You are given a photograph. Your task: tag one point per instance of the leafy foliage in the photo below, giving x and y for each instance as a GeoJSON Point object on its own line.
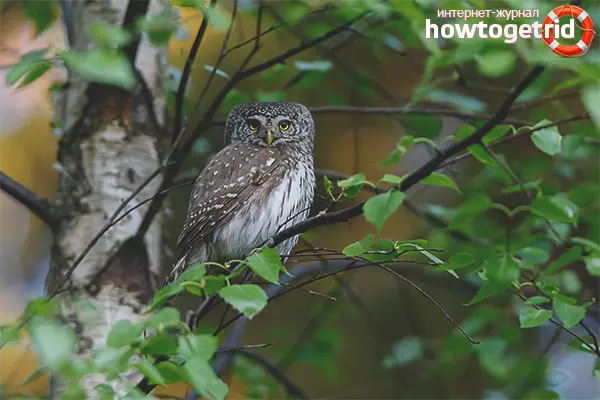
{"type": "Point", "coordinates": [523, 234]}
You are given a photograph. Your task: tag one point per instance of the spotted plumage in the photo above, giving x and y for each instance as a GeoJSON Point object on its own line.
{"type": "Point", "coordinates": [260, 183]}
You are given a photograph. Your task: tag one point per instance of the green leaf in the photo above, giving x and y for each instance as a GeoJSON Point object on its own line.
{"type": "Point", "coordinates": [109, 36]}
{"type": "Point", "coordinates": [212, 284]}
{"type": "Point", "coordinates": [190, 346]}
{"type": "Point", "coordinates": [266, 263]}
{"type": "Point", "coordinates": [34, 376]}
{"type": "Point", "coordinates": [403, 145]}
{"type": "Point", "coordinates": [42, 13]}
{"type": "Point", "coordinates": [169, 371]}
{"type": "Point", "coordinates": [486, 290]}
{"type": "Point", "coordinates": [547, 207]}
{"type": "Point", "coordinates": [168, 316]}
{"type": "Point", "coordinates": [164, 294]}
{"type": "Point", "coordinates": [537, 300]}
{"type": "Point", "coordinates": [497, 133]}
{"type": "Point", "coordinates": [203, 379]}
{"type": "Point", "coordinates": [357, 248]}
{"type": "Point", "coordinates": [354, 180]}
{"type": "Point", "coordinates": [461, 260]}
{"type": "Point", "coordinates": [101, 66]}
{"type": "Point", "coordinates": [592, 264]}
{"type": "Point", "coordinates": [193, 274]}
{"type": "Point", "coordinates": [473, 206]}
{"type": "Point", "coordinates": [496, 63]}
{"type": "Point", "coordinates": [428, 126]}
{"type": "Point", "coordinates": [247, 299]}
{"type": "Point", "coordinates": [31, 65]}
{"type": "Point", "coordinates": [112, 359]}
{"type": "Point", "coordinates": [394, 43]}
{"type": "Point", "coordinates": [352, 185]}
{"type": "Point", "coordinates": [105, 391]}
{"type": "Point", "coordinates": [566, 258]}
{"type": "Point", "coordinates": [54, 343]}
{"type": "Point", "coordinates": [153, 374]}
{"type": "Point", "coordinates": [569, 314]}
{"type": "Point", "coordinates": [8, 334]}
{"type": "Point", "coordinates": [378, 209]}
{"type": "Point", "coordinates": [42, 307]}
{"type": "Point", "coordinates": [587, 243]}
{"type": "Point", "coordinates": [547, 139]}
{"type": "Point", "coordinates": [317, 65]}
{"type": "Point", "coordinates": [531, 317]}
{"type": "Point", "coordinates": [123, 333]}
{"type": "Point", "coordinates": [160, 344]}
{"type": "Point", "coordinates": [591, 100]}
{"type": "Point", "coordinates": [460, 101]}
{"type": "Point", "coordinates": [534, 255]}
{"type": "Point", "coordinates": [390, 178]}
{"type": "Point", "coordinates": [159, 27]}
{"type": "Point", "coordinates": [437, 179]}
{"type": "Point", "coordinates": [502, 270]}
{"type": "Point", "coordinates": [403, 352]}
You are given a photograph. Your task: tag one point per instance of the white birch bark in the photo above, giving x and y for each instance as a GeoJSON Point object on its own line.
{"type": "Point", "coordinates": [109, 158]}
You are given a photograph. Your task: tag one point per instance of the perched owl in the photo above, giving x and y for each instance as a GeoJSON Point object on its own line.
{"type": "Point", "coordinates": [260, 183]}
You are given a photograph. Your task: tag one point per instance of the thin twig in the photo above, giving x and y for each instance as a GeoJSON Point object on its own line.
{"type": "Point", "coordinates": [432, 300]}
{"type": "Point", "coordinates": [559, 324]}
{"type": "Point", "coordinates": [510, 138]}
{"type": "Point", "coordinates": [187, 70]}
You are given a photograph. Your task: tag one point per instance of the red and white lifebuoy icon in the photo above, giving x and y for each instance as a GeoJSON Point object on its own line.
{"type": "Point", "coordinates": [588, 31]}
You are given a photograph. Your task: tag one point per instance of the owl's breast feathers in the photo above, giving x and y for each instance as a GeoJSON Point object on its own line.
{"type": "Point", "coordinates": [243, 197]}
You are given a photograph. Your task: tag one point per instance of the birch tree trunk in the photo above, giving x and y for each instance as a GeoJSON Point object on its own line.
{"type": "Point", "coordinates": [111, 147]}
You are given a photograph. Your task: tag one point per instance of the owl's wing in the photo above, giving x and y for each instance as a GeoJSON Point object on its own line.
{"type": "Point", "coordinates": [226, 184]}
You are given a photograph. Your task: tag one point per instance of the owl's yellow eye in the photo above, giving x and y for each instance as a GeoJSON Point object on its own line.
{"type": "Point", "coordinates": [284, 126]}
{"type": "Point", "coordinates": [253, 125]}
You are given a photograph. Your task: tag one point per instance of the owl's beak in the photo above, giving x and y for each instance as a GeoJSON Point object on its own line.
{"type": "Point", "coordinates": [269, 137]}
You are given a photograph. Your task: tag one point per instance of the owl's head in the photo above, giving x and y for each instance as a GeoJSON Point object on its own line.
{"type": "Point", "coordinates": [270, 124]}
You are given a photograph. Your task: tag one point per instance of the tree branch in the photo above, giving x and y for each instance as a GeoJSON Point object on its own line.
{"type": "Point", "coordinates": [417, 175]}
{"type": "Point", "coordinates": [40, 207]}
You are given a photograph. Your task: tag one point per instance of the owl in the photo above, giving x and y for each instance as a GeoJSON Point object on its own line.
{"type": "Point", "coordinates": [260, 183]}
